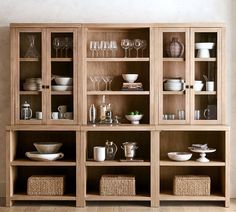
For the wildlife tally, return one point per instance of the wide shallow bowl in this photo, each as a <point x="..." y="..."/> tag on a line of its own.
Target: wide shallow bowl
<point x="172" y="86"/>
<point x="47" y="147"/>
<point x="61" y="88"/>
<point x="44" y="157"/>
<point x="134" y="118"/>
<point x="63" y="80"/>
<point x="205" y="45"/>
<point x="179" y="156"/>
<point x="130" y="77"/>
<point x="198" y="86"/>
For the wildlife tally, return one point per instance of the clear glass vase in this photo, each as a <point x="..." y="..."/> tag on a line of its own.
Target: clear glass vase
<point x="32" y="51"/>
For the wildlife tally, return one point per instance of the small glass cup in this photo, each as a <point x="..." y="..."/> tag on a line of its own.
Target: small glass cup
<point x="197" y="114"/>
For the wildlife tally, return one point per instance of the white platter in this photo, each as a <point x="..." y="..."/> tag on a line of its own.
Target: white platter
<point x="44" y="157"/>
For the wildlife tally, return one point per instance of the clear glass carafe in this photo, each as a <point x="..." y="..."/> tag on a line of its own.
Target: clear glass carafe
<point x="111" y="150"/>
<point x="32" y="51"/>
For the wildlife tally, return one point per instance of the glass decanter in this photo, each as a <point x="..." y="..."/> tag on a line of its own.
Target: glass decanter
<point x="31" y="52"/>
<point x="111" y="150"/>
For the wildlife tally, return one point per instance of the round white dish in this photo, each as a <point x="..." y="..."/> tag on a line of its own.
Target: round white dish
<point x="63" y="80"/>
<point x="172" y="86"/>
<point x="179" y="156"/>
<point x="131" y="78"/>
<point x="47" y="147"/>
<point x="134" y="118"/>
<point x="44" y="157"/>
<point x="61" y="88"/>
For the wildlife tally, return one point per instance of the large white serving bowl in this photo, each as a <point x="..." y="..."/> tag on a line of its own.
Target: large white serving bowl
<point x="198" y="86"/>
<point x="44" y="157"/>
<point x="179" y="156"/>
<point x="130" y="77"/>
<point x="47" y="147"/>
<point x="134" y="118"/>
<point x="204" y="45"/>
<point x="63" y="80"/>
<point x="61" y="88"/>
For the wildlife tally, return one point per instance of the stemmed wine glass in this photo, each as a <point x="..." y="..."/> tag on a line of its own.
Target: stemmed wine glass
<point x="144" y="46"/>
<point x="93" y="81"/>
<point x="113" y="47"/>
<point x="106" y="47"/>
<point x="137" y="45"/>
<point x="66" y="45"/>
<point x="131" y="46"/>
<point x="56" y="45"/>
<point x="125" y="45"/>
<point x="109" y="78"/>
<point x="98" y="80"/>
<point x="62" y="45"/>
<point x="91" y="47"/>
<point x="104" y="78"/>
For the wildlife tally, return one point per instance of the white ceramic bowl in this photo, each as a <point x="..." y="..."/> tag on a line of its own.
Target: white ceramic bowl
<point x="47" y="147"/>
<point x="173" y="80"/>
<point x="61" y="88"/>
<point x="130" y="77"/>
<point x="63" y="80"/>
<point x="198" y="86"/>
<point x="172" y="86"/>
<point x="179" y="156"/>
<point x="134" y="118"/>
<point x="204" y="45"/>
<point x="197" y="81"/>
<point x="44" y="157"/>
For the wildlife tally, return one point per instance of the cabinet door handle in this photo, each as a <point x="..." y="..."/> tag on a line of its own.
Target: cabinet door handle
<point x="47" y="86"/>
<point x="191" y="86"/>
<point x="187" y="86"/>
<point x="43" y="86"/>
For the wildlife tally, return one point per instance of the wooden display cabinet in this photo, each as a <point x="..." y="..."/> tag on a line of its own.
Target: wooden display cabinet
<point x="154" y="135"/>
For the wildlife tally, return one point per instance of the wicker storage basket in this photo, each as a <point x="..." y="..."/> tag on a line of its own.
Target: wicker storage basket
<point x="46" y="185"/>
<point x="117" y="185"/>
<point x="192" y="185"/>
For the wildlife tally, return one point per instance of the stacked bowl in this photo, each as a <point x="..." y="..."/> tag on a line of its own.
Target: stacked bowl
<point x="32" y="84"/>
<point x="62" y="84"/>
<point x="173" y="85"/>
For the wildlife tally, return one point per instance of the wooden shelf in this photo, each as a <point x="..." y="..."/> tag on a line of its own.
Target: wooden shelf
<point x="172" y="59"/>
<point x="61" y="59"/>
<point x="29" y="59"/>
<point x="205" y="92"/>
<point x="213" y="59"/>
<point x="61" y="93"/>
<point x="97" y="197"/>
<point x="190" y="163"/>
<point x="116" y="163"/>
<point x="27" y="162"/>
<point x="121" y="59"/>
<point x="173" y="92"/>
<point x="99" y="93"/>
<point x="167" y="196"/>
<point x="30" y="92"/>
<point x="24" y="196"/>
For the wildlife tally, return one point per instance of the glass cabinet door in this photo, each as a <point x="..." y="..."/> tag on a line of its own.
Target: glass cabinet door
<point x="28" y="78"/>
<point x="206" y="77"/>
<point x="174" y="76"/>
<point x="62" y="76"/>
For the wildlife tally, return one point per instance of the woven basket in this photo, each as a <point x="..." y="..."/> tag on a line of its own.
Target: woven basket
<point x="117" y="185"/>
<point x="46" y="185"/>
<point x="192" y="185"/>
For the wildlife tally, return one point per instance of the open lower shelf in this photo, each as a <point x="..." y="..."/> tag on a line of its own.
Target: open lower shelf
<point x="117" y="163"/>
<point x="166" y="196"/>
<point x="190" y="163"/>
<point x="118" y="93"/>
<point x="26" y="162"/>
<point x="24" y="196"/>
<point x="94" y="197"/>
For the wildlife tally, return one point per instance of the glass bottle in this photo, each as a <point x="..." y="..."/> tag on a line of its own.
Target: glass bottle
<point x="111" y="150"/>
<point x="31" y="52"/>
<point x="103" y="109"/>
<point x="92" y="114"/>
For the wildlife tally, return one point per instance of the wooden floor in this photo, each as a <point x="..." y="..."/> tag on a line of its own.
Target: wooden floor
<point x="122" y="207"/>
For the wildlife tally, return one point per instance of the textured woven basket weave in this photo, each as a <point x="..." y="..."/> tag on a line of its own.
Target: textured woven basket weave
<point x="117" y="185"/>
<point x="39" y="185"/>
<point x="192" y="185"/>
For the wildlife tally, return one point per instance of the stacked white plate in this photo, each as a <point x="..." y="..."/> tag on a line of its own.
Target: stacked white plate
<point x="173" y="85"/>
<point x="32" y="84"/>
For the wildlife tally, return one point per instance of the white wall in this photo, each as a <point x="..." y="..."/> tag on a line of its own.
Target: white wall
<point x="116" y="11"/>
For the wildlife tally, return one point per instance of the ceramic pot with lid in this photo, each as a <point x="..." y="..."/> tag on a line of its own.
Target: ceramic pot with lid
<point x="129" y="149"/>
